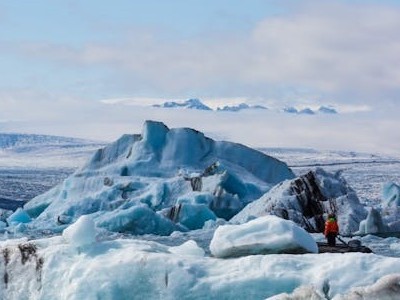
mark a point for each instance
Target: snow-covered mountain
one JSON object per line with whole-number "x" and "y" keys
{"x": 309, "y": 111}
{"x": 306, "y": 111}
{"x": 198, "y": 105}
{"x": 241, "y": 106}
{"x": 327, "y": 110}
{"x": 190, "y": 104}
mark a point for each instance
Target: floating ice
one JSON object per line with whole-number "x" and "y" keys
{"x": 19, "y": 216}
{"x": 81, "y": 233}
{"x": 188, "y": 248}
{"x": 391, "y": 195}
{"x": 264, "y": 235}
{"x": 373, "y": 223}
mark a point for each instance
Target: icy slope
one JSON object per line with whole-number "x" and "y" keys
{"x": 159, "y": 180}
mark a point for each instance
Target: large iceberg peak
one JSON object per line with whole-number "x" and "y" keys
{"x": 161, "y": 180}
{"x": 154, "y": 134}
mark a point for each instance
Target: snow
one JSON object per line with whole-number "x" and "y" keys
{"x": 44, "y": 151}
{"x": 268, "y": 234}
{"x": 81, "y": 233}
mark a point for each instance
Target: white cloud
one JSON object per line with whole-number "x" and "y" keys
{"x": 331, "y": 49}
{"x": 345, "y": 55}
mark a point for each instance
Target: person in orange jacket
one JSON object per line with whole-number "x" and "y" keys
{"x": 331, "y": 230}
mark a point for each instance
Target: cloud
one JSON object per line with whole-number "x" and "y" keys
{"x": 331, "y": 50}
{"x": 319, "y": 53}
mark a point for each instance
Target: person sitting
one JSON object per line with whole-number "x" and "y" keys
{"x": 331, "y": 230}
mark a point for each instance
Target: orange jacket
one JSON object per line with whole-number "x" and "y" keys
{"x": 331, "y": 226}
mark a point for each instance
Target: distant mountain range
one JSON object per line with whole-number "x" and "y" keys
{"x": 241, "y": 106}
{"x": 191, "y": 104}
{"x": 197, "y": 104}
{"x": 309, "y": 111}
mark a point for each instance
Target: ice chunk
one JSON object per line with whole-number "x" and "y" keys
{"x": 19, "y": 216}
{"x": 391, "y": 195}
{"x": 81, "y": 233}
{"x": 188, "y": 248}
{"x": 2, "y": 225}
{"x": 264, "y": 235}
{"x": 373, "y": 223}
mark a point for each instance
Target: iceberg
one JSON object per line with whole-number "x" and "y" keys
{"x": 373, "y": 223}
{"x": 391, "y": 195}
{"x": 81, "y": 233}
{"x": 264, "y": 235}
{"x": 307, "y": 200}
{"x": 160, "y": 181}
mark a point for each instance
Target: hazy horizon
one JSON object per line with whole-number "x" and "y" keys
{"x": 67, "y": 65}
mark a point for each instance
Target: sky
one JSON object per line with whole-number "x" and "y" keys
{"x": 62, "y": 61}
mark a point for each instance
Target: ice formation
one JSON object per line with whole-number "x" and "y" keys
{"x": 134, "y": 269}
{"x": 188, "y": 248}
{"x": 391, "y": 206}
{"x": 81, "y": 233}
{"x": 264, "y": 235}
{"x": 373, "y": 223}
{"x": 19, "y": 216}
{"x": 307, "y": 199}
{"x": 160, "y": 181}
{"x": 391, "y": 195}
